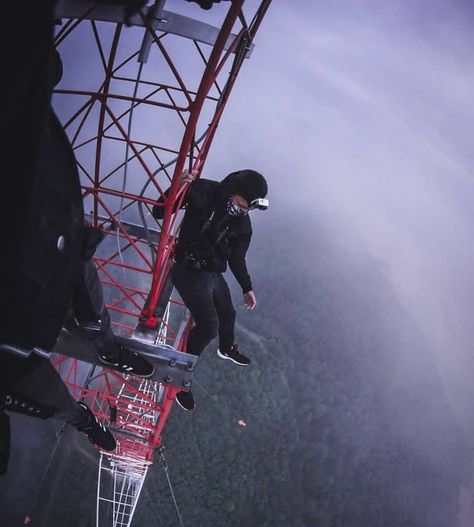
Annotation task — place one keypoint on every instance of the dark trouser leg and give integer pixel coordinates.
(225, 312)
(94, 324)
(35, 381)
(42, 387)
(41, 383)
(196, 289)
(89, 307)
(88, 298)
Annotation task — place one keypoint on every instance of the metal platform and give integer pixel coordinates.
(137, 230)
(172, 368)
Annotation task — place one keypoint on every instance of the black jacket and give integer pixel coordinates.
(42, 213)
(210, 234)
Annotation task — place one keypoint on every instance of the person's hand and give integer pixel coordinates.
(250, 300)
(187, 177)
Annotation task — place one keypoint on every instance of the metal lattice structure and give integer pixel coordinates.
(141, 105)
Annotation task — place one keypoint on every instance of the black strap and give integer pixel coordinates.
(223, 224)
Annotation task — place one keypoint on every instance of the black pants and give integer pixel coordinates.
(208, 298)
(88, 308)
(40, 383)
(35, 378)
(39, 380)
(37, 384)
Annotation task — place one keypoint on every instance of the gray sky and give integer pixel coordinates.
(362, 111)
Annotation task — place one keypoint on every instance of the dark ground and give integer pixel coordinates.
(347, 424)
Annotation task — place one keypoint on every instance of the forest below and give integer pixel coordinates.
(346, 421)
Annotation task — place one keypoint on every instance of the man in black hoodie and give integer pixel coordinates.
(216, 231)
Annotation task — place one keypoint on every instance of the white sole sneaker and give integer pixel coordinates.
(183, 407)
(222, 356)
(124, 368)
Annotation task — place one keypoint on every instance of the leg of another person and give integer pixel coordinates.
(90, 311)
(42, 383)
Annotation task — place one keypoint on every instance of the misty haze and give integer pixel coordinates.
(358, 406)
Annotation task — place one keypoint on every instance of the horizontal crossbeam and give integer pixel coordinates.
(172, 368)
(168, 22)
(133, 229)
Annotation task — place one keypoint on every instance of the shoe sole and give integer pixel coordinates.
(222, 356)
(114, 367)
(185, 409)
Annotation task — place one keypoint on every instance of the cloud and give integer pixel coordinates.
(363, 112)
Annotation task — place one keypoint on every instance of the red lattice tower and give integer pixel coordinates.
(140, 102)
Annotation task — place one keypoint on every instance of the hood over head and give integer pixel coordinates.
(246, 183)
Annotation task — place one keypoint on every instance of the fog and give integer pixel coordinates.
(362, 113)
(360, 116)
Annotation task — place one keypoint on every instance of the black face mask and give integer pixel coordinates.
(233, 209)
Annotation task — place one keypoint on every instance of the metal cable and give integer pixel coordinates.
(161, 452)
(217, 406)
(127, 149)
(203, 389)
(195, 143)
(240, 54)
(155, 10)
(142, 192)
(60, 434)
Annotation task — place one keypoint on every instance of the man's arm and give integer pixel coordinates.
(158, 211)
(238, 266)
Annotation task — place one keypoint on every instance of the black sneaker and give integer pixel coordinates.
(234, 355)
(185, 400)
(126, 361)
(96, 432)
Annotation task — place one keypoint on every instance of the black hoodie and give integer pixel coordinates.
(209, 233)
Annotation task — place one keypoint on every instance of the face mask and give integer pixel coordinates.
(233, 209)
